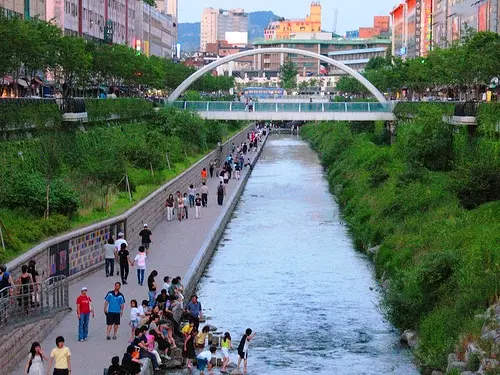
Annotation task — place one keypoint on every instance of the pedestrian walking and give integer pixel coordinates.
(170, 207)
(226, 177)
(36, 357)
(197, 202)
(146, 237)
(152, 288)
(60, 358)
(204, 194)
(237, 170)
(221, 191)
(180, 206)
(185, 205)
(83, 310)
(192, 194)
(194, 310)
(140, 260)
(110, 254)
(119, 241)
(211, 168)
(204, 175)
(243, 349)
(124, 262)
(114, 302)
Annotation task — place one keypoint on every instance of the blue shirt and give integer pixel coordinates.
(115, 301)
(194, 308)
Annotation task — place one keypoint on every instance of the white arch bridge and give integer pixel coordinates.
(305, 111)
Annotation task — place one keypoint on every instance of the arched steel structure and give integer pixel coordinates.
(184, 85)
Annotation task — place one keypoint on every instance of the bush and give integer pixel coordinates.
(426, 140)
(122, 109)
(29, 190)
(28, 113)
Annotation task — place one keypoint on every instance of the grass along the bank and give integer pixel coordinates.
(435, 215)
(83, 173)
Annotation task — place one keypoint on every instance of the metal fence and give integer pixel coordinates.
(466, 109)
(285, 107)
(24, 303)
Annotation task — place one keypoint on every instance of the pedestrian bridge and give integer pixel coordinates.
(352, 111)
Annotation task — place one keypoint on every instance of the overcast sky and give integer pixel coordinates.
(352, 13)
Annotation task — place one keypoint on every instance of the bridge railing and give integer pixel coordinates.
(285, 107)
(20, 304)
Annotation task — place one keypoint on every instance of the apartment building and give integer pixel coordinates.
(216, 22)
(23, 8)
(418, 25)
(283, 29)
(357, 51)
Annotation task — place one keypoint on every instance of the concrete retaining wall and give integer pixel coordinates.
(14, 345)
(80, 252)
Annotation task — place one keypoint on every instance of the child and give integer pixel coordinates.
(134, 318)
(201, 337)
(188, 351)
(197, 202)
(243, 349)
(204, 360)
(226, 346)
(140, 259)
(186, 330)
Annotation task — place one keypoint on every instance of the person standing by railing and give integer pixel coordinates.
(25, 282)
(5, 281)
(83, 310)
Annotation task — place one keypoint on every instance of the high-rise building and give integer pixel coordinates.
(23, 8)
(216, 22)
(283, 29)
(418, 25)
(412, 28)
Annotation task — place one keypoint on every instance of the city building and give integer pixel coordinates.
(216, 22)
(23, 8)
(357, 51)
(381, 25)
(451, 18)
(355, 58)
(412, 28)
(130, 22)
(284, 28)
(418, 25)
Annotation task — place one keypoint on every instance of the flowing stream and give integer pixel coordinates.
(286, 268)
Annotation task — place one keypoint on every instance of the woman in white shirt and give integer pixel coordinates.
(140, 260)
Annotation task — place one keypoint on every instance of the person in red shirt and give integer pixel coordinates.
(204, 175)
(83, 310)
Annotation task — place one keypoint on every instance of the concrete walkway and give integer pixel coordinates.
(175, 245)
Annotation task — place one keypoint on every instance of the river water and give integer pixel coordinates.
(286, 268)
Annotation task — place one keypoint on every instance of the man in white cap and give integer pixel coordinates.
(146, 234)
(83, 310)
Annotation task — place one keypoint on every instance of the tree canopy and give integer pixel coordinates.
(288, 74)
(32, 47)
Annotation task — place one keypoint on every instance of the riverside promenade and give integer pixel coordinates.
(173, 252)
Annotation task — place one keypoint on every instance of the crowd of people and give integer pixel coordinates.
(154, 330)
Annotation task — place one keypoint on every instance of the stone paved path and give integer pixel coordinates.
(175, 245)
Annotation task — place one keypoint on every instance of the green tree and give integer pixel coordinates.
(288, 74)
(73, 65)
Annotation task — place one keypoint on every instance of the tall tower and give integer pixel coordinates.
(315, 16)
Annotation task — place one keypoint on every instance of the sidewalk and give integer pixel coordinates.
(175, 245)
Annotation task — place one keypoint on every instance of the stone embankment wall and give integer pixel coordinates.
(80, 252)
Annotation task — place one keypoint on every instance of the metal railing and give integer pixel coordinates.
(24, 303)
(466, 109)
(285, 107)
